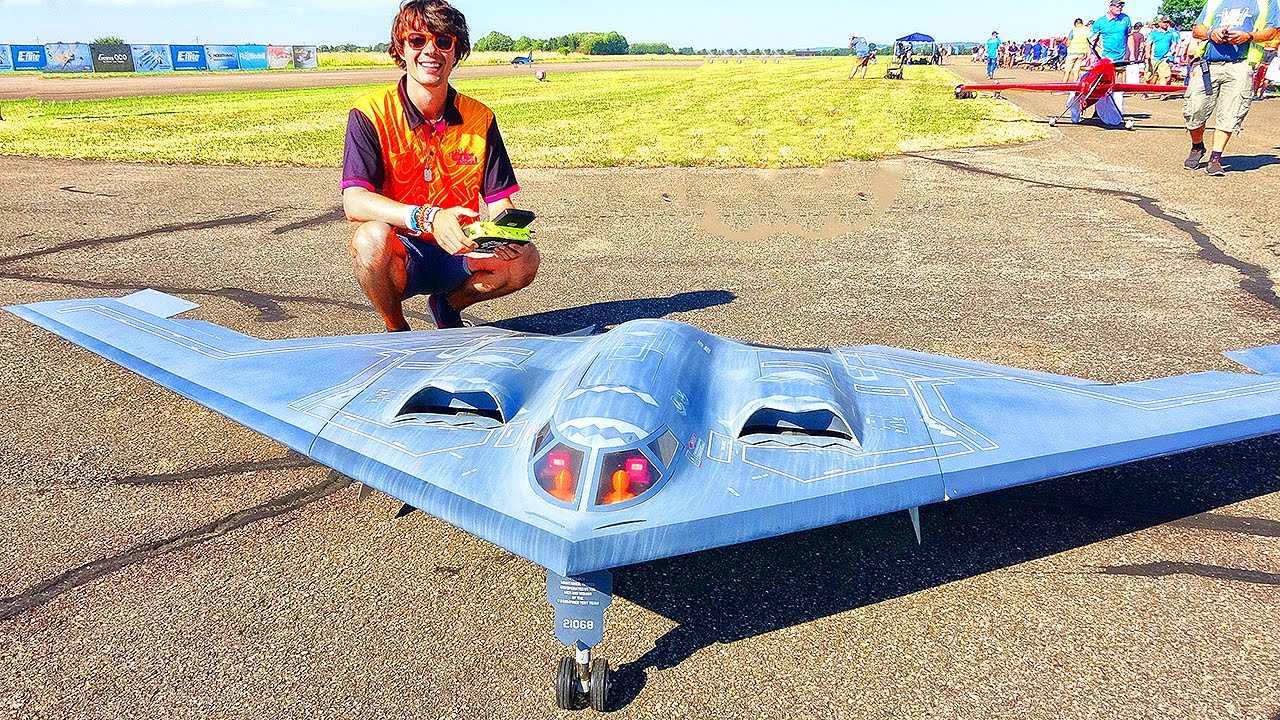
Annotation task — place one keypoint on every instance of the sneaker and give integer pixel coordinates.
(442, 313)
(1193, 159)
(1215, 168)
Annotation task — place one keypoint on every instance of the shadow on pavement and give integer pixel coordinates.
(1245, 163)
(608, 314)
(732, 593)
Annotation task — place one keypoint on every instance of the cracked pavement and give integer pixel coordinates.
(163, 562)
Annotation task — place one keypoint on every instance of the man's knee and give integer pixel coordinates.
(524, 270)
(371, 244)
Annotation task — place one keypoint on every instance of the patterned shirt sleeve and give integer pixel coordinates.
(362, 154)
(499, 177)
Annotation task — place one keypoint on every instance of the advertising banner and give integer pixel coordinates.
(28, 57)
(304, 56)
(6, 60)
(222, 57)
(279, 56)
(151, 58)
(111, 58)
(252, 57)
(188, 57)
(67, 57)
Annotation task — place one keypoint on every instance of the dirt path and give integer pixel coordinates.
(20, 86)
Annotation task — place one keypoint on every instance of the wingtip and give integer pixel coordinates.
(1262, 360)
(157, 303)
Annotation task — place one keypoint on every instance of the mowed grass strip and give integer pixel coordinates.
(797, 113)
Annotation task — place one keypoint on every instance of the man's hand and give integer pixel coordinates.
(448, 232)
(502, 255)
(1229, 37)
(1237, 37)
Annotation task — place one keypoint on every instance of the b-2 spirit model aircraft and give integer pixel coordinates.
(1095, 89)
(584, 453)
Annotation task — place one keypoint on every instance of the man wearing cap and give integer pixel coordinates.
(861, 54)
(1077, 49)
(418, 160)
(1221, 79)
(1161, 44)
(1113, 30)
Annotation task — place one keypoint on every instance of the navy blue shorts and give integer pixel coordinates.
(430, 270)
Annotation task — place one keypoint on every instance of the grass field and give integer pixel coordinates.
(798, 113)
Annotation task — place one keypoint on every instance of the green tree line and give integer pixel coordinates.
(589, 43)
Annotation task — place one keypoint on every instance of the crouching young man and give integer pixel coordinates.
(418, 160)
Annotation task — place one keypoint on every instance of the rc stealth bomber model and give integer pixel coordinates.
(1096, 89)
(584, 453)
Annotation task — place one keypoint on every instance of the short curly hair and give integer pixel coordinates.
(434, 16)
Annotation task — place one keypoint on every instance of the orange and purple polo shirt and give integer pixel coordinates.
(393, 151)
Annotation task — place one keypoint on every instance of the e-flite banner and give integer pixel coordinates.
(67, 57)
(151, 58)
(111, 58)
(28, 57)
(188, 57)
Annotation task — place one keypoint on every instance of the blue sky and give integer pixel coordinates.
(699, 23)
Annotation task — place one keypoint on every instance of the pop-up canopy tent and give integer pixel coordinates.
(901, 50)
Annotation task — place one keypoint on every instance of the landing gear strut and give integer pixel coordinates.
(580, 602)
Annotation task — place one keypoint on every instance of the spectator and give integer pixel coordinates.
(1077, 49)
(1260, 81)
(1136, 48)
(1160, 52)
(1221, 80)
(1113, 30)
(861, 55)
(993, 54)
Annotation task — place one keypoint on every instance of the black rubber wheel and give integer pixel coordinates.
(568, 696)
(600, 679)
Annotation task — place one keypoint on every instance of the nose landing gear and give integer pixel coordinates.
(580, 603)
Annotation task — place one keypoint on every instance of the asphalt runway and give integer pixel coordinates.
(71, 87)
(163, 562)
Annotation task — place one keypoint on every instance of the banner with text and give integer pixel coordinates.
(279, 57)
(67, 57)
(28, 57)
(6, 59)
(151, 58)
(222, 57)
(187, 57)
(111, 58)
(304, 56)
(252, 57)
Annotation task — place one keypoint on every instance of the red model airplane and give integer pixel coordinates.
(1094, 90)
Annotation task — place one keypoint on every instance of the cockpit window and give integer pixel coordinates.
(543, 434)
(557, 472)
(625, 476)
(665, 448)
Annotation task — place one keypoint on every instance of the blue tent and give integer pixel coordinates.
(915, 37)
